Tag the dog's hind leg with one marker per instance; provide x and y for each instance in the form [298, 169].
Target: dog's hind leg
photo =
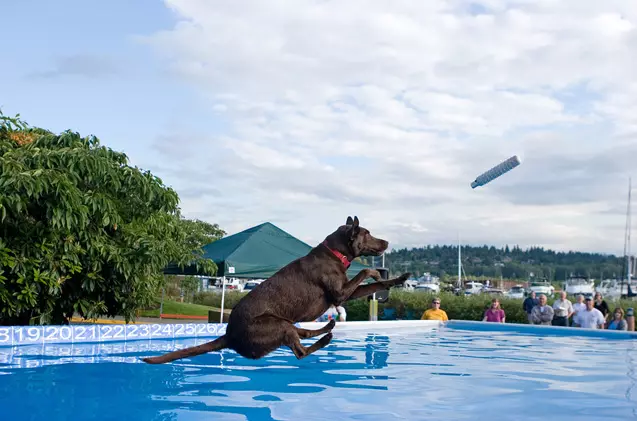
[306, 333]
[293, 341]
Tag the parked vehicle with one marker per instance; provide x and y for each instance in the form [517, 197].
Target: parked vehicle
[231, 284]
[251, 284]
[472, 287]
[517, 292]
[496, 292]
[542, 286]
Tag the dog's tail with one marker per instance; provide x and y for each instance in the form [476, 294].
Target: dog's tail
[216, 345]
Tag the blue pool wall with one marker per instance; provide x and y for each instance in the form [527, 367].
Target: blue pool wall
[12, 336]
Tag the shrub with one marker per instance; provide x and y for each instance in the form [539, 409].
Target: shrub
[411, 305]
[357, 310]
[213, 299]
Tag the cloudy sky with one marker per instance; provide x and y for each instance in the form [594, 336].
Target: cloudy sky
[304, 112]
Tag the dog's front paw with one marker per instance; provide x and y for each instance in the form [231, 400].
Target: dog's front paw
[330, 325]
[374, 274]
[401, 279]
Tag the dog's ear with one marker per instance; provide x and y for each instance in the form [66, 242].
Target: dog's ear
[350, 221]
[353, 228]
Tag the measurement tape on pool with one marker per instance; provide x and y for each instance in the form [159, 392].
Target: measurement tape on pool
[33, 335]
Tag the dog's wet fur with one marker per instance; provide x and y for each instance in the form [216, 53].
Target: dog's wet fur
[301, 291]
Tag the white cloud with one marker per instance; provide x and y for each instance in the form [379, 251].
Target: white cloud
[388, 110]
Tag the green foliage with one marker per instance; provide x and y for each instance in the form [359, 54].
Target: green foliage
[213, 299]
[200, 233]
[172, 287]
[189, 285]
[81, 230]
[457, 307]
[514, 263]
[357, 310]
[176, 307]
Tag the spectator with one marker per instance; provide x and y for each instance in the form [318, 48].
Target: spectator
[591, 318]
[435, 313]
[337, 313]
[618, 322]
[542, 314]
[577, 307]
[342, 314]
[529, 303]
[494, 313]
[563, 309]
[601, 305]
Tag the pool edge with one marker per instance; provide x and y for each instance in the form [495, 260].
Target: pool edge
[12, 336]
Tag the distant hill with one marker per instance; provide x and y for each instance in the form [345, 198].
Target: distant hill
[510, 263]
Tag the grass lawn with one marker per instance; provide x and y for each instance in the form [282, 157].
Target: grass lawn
[175, 307]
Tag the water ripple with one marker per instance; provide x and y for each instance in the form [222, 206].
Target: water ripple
[450, 374]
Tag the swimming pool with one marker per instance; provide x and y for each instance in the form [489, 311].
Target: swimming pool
[371, 371]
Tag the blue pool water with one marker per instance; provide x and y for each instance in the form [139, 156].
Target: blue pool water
[458, 372]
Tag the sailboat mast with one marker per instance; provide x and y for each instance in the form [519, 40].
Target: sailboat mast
[459, 264]
[629, 271]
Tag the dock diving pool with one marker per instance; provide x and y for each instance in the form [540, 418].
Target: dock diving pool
[387, 370]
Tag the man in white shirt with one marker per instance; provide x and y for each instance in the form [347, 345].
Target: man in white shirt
[591, 318]
[342, 314]
[337, 313]
[563, 309]
[578, 307]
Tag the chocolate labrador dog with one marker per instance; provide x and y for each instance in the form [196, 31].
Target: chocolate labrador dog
[299, 292]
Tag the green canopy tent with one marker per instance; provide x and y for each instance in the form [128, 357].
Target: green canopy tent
[255, 253]
[259, 252]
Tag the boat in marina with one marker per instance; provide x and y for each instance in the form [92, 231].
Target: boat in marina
[625, 286]
[429, 282]
[616, 288]
[576, 285]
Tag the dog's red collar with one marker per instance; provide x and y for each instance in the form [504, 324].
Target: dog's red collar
[338, 254]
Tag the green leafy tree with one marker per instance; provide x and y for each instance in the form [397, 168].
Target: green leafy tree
[510, 263]
[82, 231]
[189, 286]
[200, 233]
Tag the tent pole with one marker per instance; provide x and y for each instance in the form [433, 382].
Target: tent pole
[161, 303]
[223, 295]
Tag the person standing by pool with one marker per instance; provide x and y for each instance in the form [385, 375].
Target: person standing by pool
[601, 305]
[529, 303]
[435, 312]
[591, 318]
[542, 314]
[618, 322]
[337, 313]
[563, 310]
[494, 313]
[577, 307]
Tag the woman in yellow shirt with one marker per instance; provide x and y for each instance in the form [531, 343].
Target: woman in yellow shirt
[435, 313]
